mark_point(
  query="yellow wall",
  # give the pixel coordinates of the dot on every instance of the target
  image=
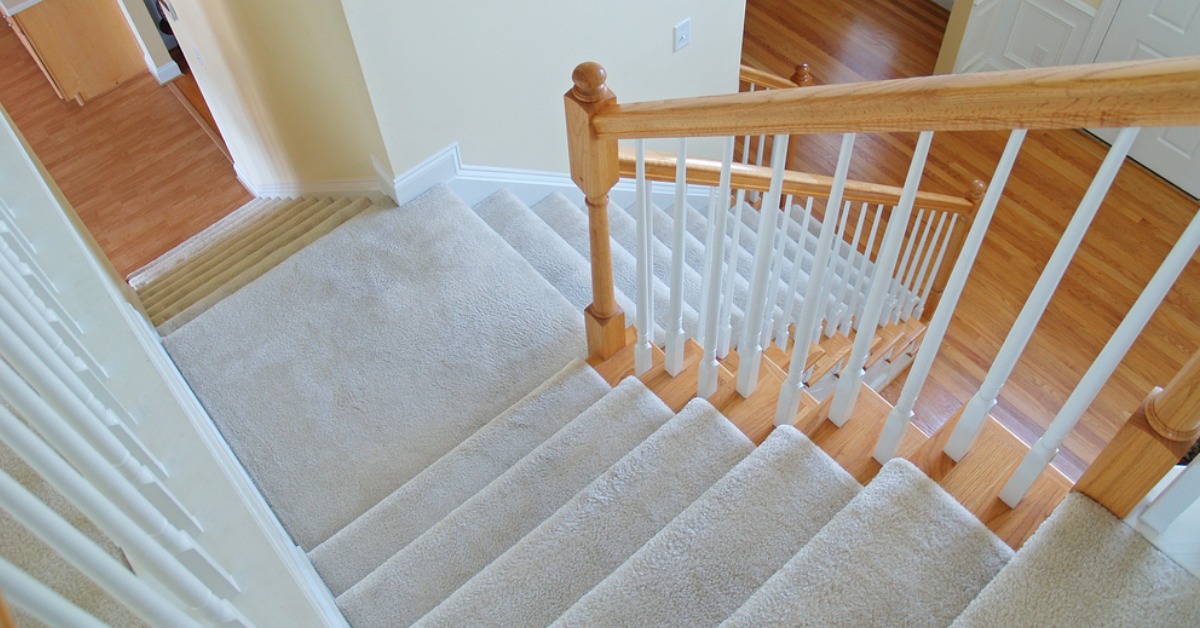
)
(285, 88)
(952, 40)
(491, 75)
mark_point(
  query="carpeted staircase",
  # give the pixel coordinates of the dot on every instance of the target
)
(408, 394)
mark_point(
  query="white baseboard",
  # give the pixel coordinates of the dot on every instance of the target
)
(167, 72)
(354, 188)
(475, 183)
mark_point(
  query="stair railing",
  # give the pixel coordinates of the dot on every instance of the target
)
(1162, 92)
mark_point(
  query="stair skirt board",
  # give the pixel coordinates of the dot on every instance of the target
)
(408, 393)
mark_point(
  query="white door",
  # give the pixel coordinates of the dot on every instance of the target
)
(1150, 29)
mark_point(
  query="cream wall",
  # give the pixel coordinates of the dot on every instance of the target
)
(491, 75)
(284, 85)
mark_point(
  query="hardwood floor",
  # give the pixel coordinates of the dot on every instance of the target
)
(139, 171)
(857, 40)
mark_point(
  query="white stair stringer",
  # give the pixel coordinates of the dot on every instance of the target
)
(429, 569)
(553, 566)
(359, 548)
(860, 569)
(704, 564)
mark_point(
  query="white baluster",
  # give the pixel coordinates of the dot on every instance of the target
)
(750, 349)
(735, 244)
(1176, 498)
(676, 337)
(718, 210)
(643, 351)
(58, 394)
(92, 408)
(831, 303)
(937, 266)
(846, 393)
(896, 293)
(842, 315)
(902, 413)
(793, 389)
(55, 430)
(778, 259)
(860, 282)
(789, 305)
(906, 287)
(914, 287)
(1102, 368)
(111, 520)
(978, 407)
(46, 604)
(40, 601)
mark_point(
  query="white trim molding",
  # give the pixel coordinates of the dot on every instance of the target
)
(166, 72)
(353, 188)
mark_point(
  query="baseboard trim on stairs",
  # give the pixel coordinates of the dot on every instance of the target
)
(475, 183)
(349, 188)
(304, 576)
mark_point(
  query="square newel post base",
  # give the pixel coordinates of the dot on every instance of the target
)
(605, 336)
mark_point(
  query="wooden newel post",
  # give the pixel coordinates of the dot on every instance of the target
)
(954, 248)
(802, 76)
(595, 169)
(1152, 441)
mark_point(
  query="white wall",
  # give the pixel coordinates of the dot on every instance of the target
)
(284, 86)
(491, 75)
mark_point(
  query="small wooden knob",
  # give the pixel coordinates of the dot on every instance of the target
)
(976, 190)
(802, 76)
(589, 78)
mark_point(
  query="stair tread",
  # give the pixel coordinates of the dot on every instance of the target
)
(428, 570)
(567, 220)
(859, 569)
(360, 547)
(564, 557)
(1062, 576)
(237, 275)
(713, 556)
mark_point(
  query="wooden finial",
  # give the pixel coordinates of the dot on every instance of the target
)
(589, 78)
(976, 190)
(802, 76)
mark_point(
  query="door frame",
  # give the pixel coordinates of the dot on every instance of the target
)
(1101, 24)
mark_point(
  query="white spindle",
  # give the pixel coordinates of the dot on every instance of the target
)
(643, 351)
(778, 259)
(676, 337)
(842, 315)
(789, 304)
(977, 408)
(718, 210)
(750, 348)
(59, 395)
(937, 266)
(846, 393)
(896, 294)
(902, 413)
(111, 520)
(832, 303)
(906, 287)
(735, 245)
(860, 282)
(46, 604)
(1181, 494)
(793, 389)
(914, 288)
(78, 452)
(1102, 368)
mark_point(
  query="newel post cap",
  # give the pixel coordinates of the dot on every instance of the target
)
(589, 78)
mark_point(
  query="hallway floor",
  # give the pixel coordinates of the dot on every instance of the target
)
(140, 172)
(860, 40)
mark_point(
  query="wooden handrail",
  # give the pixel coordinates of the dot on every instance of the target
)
(1152, 441)
(661, 167)
(1158, 92)
(801, 78)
